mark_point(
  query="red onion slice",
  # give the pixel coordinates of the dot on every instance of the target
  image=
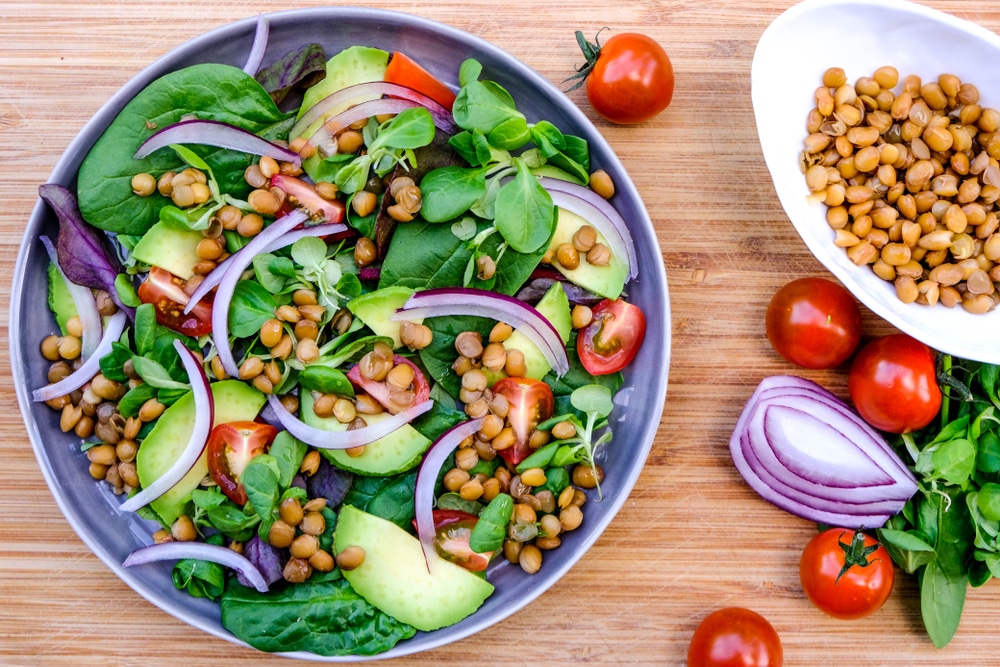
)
(805, 451)
(356, 94)
(447, 301)
(430, 467)
(204, 417)
(214, 133)
(224, 293)
(259, 46)
(90, 367)
(323, 137)
(83, 301)
(287, 239)
(323, 439)
(199, 551)
(599, 212)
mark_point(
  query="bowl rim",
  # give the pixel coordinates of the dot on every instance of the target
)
(912, 319)
(65, 171)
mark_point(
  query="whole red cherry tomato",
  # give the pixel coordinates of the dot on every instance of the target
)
(629, 78)
(814, 323)
(893, 384)
(846, 576)
(735, 637)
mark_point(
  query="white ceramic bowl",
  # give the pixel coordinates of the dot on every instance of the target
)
(860, 36)
(90, 507)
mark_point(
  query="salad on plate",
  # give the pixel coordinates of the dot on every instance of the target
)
(347, 337)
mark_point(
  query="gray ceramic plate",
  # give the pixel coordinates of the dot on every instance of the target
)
(90, 508)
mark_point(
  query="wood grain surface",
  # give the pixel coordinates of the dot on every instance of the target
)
(691, 538)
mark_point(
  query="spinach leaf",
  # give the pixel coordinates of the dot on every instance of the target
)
(200, 578)
(208, 91)
(388, 497)
(941, 600)
(326, 618)
(448, 192)
(252, 305)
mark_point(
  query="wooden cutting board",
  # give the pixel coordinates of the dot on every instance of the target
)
(691, 538)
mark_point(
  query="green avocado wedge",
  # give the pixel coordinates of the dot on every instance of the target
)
(396, 579)
(234, 401)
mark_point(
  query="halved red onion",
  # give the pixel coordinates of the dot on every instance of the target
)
(323, 439)
(90, 367)
(804, 450)
(83, 301)
(449, 301)
(204, 417)
(323, 138)
(427, 475)
(224, 293)
(600, 213)
(287, 239)
(215, 133)
(198, 551)
(259, 46)
(354, 95)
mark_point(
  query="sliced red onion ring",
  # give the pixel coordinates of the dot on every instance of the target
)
(483, 303)
(323, 137)
(427, 475)
(204, 417)
(287, 239)
(354, 95)
(85, 303)
(259, 46)
(599, 212)
(90, 367)
(323, 439)
(215, 133)
(198, 551)
(804, 450)
(224, 293)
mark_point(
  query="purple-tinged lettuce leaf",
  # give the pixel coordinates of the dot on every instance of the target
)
(297, 69)
(265, 558)
(84, 254)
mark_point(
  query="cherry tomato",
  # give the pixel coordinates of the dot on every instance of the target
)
(735, 637)
(893, 384)
(814, 323)
(531, 402)
(846, 575)
(380, 391)
(230, 447)
(404, 71)
(453, 528)
(611, 340)
(629, 78)
(166, 292)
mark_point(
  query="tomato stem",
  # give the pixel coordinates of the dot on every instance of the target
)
(856, 553)
(591, 52)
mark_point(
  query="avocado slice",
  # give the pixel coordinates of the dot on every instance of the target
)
(392, 454)
(170, 248)
(553, 306)
(375, 309)
(60, 300)
(234, 401)
(396, 579)
(353, 65)
(607, 281)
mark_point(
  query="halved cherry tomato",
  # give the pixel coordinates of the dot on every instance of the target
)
(629, 78)
(380, 391)
(735, 637)
(230, 447)
(845, 573)
(166, 292)
(893, 384)
(531, 402)
(453, 528)
(404, 71)
(304, 195)
(611, 340)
